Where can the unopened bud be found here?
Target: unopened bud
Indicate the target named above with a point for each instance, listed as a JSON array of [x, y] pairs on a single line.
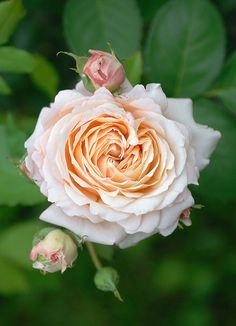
[[55, 252], [104, 70]]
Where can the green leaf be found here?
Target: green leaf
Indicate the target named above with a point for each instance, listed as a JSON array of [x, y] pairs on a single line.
[[133, 68], [16, 241], [217, 182], [12, 279], [106, 279], [14, 187], [185, 47], [45, 76], [16, 60], [15, 147], [11, 12], [4, 88], [225, 86], [91, 24], [148, 9]]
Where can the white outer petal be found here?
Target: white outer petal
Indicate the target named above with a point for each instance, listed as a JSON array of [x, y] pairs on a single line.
[[166, 220], [79, 87], [203, 139], [155, 92], [170, 215], [107, 213], [104, 233], [125, 87], [63, 98], [131, 224], [133, 239], [47, 117], [146, 100]]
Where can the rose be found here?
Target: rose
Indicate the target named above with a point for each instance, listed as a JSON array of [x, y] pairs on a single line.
[[55, 252], [103, 69], [117, 169]]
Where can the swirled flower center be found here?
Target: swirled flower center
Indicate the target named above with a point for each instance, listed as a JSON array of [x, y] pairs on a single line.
[[110, 155]]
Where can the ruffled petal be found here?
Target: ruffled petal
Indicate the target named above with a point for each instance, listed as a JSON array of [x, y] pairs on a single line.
[[203, 139], [170, 215], [104, 232], [155, 92]]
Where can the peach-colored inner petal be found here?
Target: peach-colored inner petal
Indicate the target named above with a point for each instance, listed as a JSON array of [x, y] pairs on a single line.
[[104, 155]]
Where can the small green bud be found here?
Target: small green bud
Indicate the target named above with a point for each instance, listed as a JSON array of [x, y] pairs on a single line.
[[106, 279]]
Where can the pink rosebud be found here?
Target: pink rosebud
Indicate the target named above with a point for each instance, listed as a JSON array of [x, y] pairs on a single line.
[[55, 252], [104, 70], [185, 216]]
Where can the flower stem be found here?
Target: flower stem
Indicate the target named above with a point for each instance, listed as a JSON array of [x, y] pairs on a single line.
[[94, 255]]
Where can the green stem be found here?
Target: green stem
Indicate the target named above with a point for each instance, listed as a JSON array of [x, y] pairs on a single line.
[[94, 255]]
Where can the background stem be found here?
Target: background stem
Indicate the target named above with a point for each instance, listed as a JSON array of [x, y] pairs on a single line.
[[94, 255]]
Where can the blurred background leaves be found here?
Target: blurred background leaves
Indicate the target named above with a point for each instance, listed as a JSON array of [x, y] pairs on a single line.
[[114, 21], [187, 46]]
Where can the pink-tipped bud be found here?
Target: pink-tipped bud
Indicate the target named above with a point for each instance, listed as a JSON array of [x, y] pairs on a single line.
[[104, 70], [55, 252], [185, 216]]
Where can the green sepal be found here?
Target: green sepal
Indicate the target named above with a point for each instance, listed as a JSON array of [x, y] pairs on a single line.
[[80, 61], [87, 83], [19, 164], [80, 64], [111, 49], [180, 226], [198, 206]]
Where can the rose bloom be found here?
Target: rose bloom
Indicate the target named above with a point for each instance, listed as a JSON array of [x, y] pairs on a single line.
[[117, 169]]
